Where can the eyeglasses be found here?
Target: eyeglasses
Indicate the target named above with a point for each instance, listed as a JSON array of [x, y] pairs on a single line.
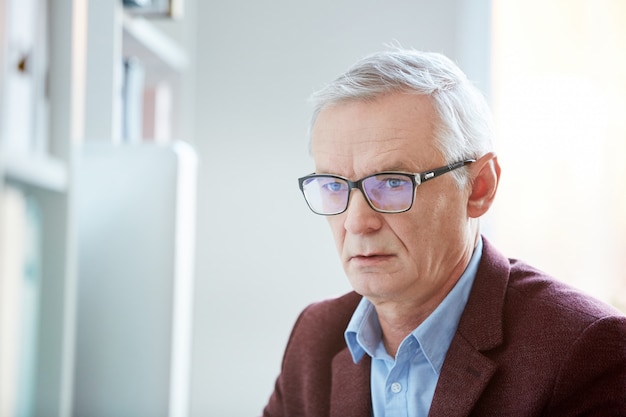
[[385, 192]]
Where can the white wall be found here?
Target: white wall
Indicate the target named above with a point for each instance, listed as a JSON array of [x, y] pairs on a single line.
[[262, 256]]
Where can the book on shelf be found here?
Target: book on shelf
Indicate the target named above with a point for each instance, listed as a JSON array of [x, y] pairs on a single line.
[[23, 77], [133, 83], [20, 284], [157, 112], [155, 8], [146, 107], [41, 65]]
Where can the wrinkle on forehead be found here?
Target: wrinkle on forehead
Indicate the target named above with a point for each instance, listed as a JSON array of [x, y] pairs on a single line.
[[363, 141], [374, 154], [360, 138]]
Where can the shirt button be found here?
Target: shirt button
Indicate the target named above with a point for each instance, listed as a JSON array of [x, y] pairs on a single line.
[[396, 387]]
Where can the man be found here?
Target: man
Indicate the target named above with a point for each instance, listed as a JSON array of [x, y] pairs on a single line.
[[439, 323]]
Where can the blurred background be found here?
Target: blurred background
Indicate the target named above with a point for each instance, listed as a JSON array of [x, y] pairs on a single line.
[[177, 252]]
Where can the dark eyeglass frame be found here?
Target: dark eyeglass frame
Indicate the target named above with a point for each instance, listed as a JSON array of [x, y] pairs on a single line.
[[417, 178]]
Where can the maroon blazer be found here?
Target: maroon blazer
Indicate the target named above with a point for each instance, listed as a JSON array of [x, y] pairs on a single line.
[[526, 345]]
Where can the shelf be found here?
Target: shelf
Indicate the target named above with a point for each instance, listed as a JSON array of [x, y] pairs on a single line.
[[155, 49], [41, 171]]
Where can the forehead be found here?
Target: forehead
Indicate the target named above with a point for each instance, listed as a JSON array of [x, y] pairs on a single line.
[[392, 132]]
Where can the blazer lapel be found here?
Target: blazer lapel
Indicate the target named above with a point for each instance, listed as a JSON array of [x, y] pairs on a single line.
[[466, 370], [464, 376], [350, 391]]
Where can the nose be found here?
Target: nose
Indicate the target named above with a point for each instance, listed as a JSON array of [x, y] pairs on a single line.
[[360, 218]]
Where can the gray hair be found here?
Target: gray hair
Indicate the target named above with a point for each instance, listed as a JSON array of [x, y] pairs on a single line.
[[464, 130]]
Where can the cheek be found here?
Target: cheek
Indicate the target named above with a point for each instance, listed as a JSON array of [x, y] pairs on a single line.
[[338, 231], [428, 222], [444, 225]]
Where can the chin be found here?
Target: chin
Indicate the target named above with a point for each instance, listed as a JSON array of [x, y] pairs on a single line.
[[371, 286]]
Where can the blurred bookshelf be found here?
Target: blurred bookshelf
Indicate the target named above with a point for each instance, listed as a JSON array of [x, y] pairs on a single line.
[[37, 277], [119, 92], [38, 170], [62, 90]]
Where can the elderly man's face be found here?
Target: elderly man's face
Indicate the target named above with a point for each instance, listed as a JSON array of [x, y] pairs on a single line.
[[410, 257]]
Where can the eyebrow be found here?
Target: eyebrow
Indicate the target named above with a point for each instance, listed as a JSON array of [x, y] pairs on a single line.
[[401, 167], [375, 172], [394, 167]]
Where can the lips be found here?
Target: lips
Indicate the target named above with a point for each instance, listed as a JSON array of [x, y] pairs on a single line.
[[372, 255], [370, 259]]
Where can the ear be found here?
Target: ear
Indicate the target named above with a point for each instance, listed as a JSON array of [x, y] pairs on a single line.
[[485, 177]]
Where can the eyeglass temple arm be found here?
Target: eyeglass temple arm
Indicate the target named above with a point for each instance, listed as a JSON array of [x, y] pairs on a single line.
[[429, 175]]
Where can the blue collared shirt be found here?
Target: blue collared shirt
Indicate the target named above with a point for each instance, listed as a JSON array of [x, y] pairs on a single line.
[[404, 387]]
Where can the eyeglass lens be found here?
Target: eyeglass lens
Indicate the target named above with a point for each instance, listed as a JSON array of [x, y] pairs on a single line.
[[385, 192]]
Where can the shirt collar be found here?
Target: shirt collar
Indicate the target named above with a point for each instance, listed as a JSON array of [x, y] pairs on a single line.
[[363, 334]]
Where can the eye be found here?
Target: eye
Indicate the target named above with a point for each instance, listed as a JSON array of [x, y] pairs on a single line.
[[392, 182], [395, 182], [334, 186]]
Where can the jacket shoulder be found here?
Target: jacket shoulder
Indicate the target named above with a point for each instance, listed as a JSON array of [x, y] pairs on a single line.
[[304, 384], [328, 319], [548, 342], [540, 291]]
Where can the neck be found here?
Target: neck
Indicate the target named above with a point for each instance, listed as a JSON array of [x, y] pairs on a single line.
[[398, 320], [396, 325]]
